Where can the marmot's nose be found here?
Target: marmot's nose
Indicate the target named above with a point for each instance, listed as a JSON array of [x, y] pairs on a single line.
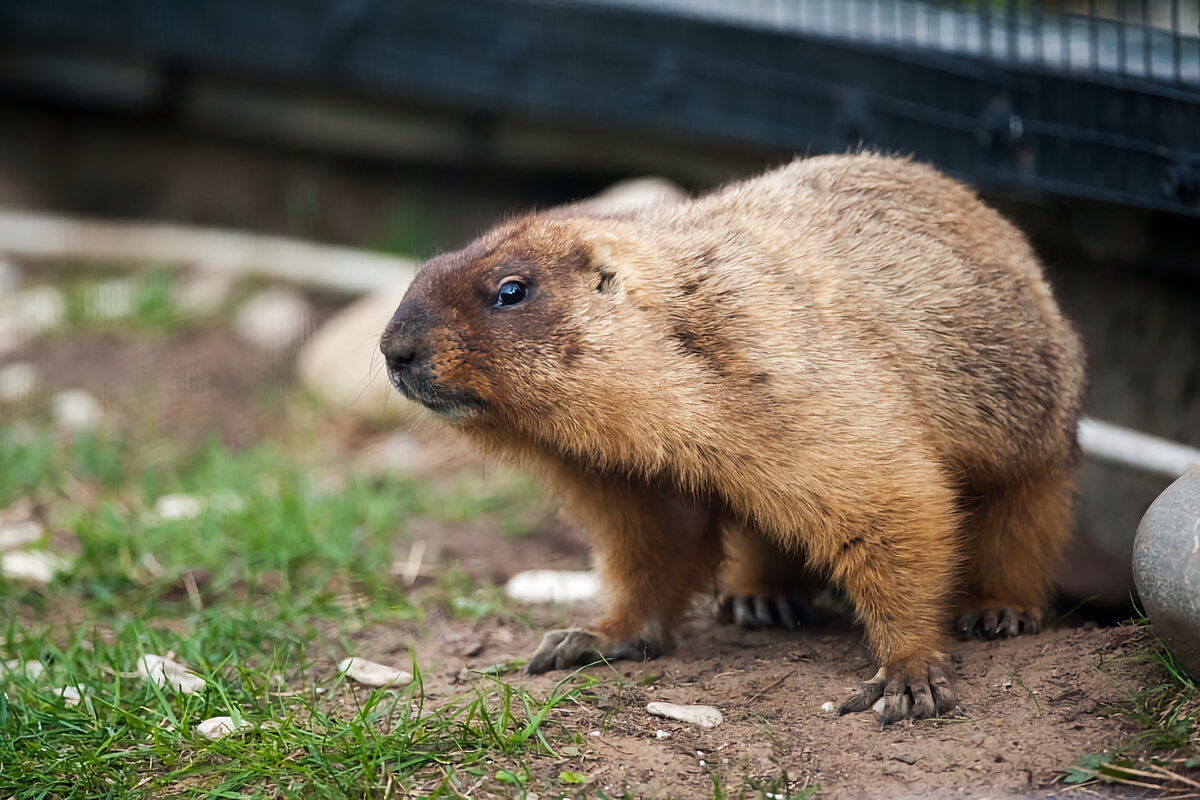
[[399, 350]]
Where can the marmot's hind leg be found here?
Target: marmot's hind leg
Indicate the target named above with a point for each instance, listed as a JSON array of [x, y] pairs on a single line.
[[763, 586], [1015, 537]]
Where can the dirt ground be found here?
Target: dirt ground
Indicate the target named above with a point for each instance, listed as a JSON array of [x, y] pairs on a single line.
[[1029, 707]]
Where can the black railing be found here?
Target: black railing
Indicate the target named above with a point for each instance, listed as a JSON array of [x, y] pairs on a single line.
[[1097, 99]]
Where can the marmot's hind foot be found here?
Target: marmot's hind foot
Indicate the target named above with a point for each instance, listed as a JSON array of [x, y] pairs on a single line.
[[571, 647], [993, 620], [916, 688], [769, 611]]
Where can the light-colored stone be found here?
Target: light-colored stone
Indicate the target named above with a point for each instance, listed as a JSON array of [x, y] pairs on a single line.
[[27, 313], [167, 673], [35, 567], [18, 381], [190, 506], [342, 365], [32, 670], [218, 727], [704, 716], [71, 695], [111, 299], [828, 707], [1166, 568], [553, 586], [370, 673], [634, 193], [77, 410], [10, 276], [204, 292], [273, 319], [14, 535]]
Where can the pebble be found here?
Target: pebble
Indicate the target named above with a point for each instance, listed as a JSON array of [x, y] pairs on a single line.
[[218, 727], [111, 299], [704, 716], [168, 673], [553, 586], [27, 313], [17, 381], [76, 410], [661, 734], [828, 707], [71, 695], [18, 534], [204, 292], [34, 567], [32, 669], [190, 506], [370, 673], [273, 319], [1166, 568], [10, 276]]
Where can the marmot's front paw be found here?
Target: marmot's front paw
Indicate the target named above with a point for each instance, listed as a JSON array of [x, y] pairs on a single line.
[[769, 611], [571, 647], [916, 688]]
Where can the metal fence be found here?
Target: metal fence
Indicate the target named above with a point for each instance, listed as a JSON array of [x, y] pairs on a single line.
[[1097, 99]]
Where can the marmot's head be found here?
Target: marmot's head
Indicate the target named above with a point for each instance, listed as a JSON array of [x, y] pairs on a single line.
[[506, 332]]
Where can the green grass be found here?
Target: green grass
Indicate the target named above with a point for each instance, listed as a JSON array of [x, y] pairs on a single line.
[[257, 594], [1164, 753]]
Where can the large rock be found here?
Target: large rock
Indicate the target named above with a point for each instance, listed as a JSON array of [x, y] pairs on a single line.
[[1166, 567], [342, 364]]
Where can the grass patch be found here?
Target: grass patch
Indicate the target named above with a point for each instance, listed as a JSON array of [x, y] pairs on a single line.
[[1165, 753], [255, 585]]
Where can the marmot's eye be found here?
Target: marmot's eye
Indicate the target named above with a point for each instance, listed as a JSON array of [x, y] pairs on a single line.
[[511, 293]]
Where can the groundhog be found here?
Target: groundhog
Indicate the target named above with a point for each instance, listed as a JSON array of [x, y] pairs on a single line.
[[848, 366]]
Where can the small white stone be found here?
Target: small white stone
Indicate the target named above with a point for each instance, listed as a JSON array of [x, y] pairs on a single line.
[[190, 506], [71, 695], [218, 727], [273, 319], [661, 734], [204, 292], [10, 276], [31, 566], [704, 716], [553, 586], [19, 534], [17, 381], [178, 506], [828, 707], [1006, 685], [77, 410], [594, 733], [166, 672], [25, 314], [30, 669], [370, 673], [111, 299]]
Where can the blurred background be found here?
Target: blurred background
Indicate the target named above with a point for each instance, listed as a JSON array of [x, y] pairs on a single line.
[[402, 129]]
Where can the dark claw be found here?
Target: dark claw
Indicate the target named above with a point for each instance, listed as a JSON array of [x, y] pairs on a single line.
[[762, 613], [769, 611], [787, 617], [743, 616]]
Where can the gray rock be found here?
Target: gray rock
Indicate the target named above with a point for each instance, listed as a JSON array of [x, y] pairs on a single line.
[[1166, 567]]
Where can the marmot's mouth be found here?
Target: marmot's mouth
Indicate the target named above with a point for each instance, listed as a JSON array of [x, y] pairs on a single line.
[[420, 388]]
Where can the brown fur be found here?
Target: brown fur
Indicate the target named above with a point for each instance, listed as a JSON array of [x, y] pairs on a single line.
[[850, 360]]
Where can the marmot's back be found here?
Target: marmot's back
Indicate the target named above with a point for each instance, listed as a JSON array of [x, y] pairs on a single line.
[[912, 272]]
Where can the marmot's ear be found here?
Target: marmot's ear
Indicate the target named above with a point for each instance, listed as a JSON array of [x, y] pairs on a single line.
[[607, 262]]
